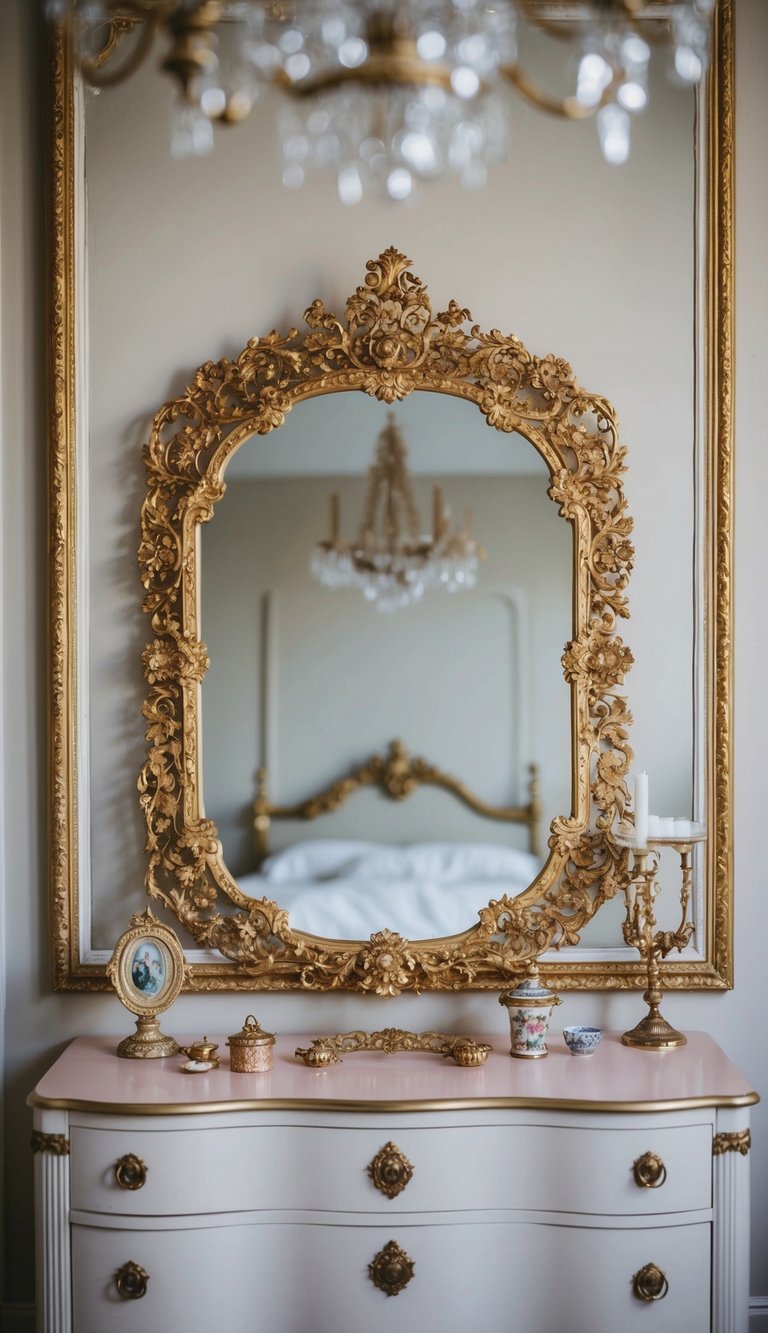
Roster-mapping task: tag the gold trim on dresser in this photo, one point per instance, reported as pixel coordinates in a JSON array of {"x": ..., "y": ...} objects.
[
  {"x": 740, "y": 1140},
  {"x": 468, "y": 1103},
  {"x": 57, "y": 1144}
]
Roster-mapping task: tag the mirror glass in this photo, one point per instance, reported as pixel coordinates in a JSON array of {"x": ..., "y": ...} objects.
[
  {"x": 155, "y": 276},
  {"x": 309, "y": 682}
]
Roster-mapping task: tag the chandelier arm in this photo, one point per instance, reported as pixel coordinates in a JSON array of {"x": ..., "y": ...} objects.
[
  {"x": 96, "y": 70},
  {"x": 569, "y": 108},
  {"x": 378, "y": 71},
  {"x": 116, "y": 30}
]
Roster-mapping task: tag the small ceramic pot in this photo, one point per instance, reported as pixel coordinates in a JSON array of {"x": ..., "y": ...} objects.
[
  {"x": 582, "y": 1041},
  {"x": 250, "y": 1049},
  {"x": 529, "y": 1006}
]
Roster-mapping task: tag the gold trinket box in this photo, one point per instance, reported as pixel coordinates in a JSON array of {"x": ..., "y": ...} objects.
[{"x": 250, "y": 1049}]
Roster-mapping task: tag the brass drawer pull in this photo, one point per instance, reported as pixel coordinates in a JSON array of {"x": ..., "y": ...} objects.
[
  {"x": 650, "y": 1284},
  {"x": 131, "y": 1281},
  {"x": 649, "y": 1171},
  {"x": 390, "y": 1170},
  {"x": 391, "y": 1269},
  {"x": 130, "y": 1172}
]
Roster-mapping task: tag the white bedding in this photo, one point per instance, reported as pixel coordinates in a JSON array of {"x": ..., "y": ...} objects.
[{"x": 351, "y": 896}]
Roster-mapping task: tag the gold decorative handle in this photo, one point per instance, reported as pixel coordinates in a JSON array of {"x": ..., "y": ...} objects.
[
  {"x": 650, "y": 1284},
  {"x": 390, "y": 1170},
  {"x": 391, "y": 1269},
  {"x": 649, "y": 1171},
  {"x": 131, "y": 1281},
  {"x": 130, "y": 1172}
]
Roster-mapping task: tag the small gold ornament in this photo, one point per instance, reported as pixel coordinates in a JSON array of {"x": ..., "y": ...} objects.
[{"x": 147, "y": 969}]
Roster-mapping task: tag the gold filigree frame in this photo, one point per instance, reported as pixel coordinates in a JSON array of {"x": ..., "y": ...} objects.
[
  {"x": 389, "y": 344},
  {"x": 145, "y": 930},
  {"x": 70, "y": 971}
]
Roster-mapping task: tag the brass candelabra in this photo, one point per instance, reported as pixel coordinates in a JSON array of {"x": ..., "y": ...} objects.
[{"x": 639, "y": 929}]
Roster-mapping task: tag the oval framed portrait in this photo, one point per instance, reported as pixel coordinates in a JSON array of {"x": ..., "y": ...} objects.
[{"x": 147, "y": 966}]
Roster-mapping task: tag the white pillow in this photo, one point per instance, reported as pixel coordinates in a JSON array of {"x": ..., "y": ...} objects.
[
  {"x": 321, "y": 858},
  {"x": 385, "y": 861},
  {"x": 446, "y": 862}
]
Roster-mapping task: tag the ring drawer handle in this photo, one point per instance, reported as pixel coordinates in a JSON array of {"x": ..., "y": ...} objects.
[
  {"x": 649, "y": 1171},
  {"x": 131, "y": 1281},
  {"x": 391, "y": 1269},
  {"x": 650, "y": 1284},
  {"x": 130, "y": 1172},
  {"x": 390, "y": 1170}
]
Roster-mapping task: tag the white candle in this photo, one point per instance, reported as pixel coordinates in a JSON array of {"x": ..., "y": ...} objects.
[
  {"x": 654, "y": 826},
  {"x": 667, "y": 827},
  {"x": 682, "y": 828},
  {"x": 641, "y": 809}
]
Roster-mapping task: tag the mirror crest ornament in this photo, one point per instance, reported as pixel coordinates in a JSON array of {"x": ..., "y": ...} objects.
[{"x": 389, "y": 346}]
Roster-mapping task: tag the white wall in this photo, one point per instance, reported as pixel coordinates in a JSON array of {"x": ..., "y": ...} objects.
[{"x": 39, "y": 1022}]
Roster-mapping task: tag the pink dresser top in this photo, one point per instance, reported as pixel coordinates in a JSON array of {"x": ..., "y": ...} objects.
[{"x": 90, "y": 1076}]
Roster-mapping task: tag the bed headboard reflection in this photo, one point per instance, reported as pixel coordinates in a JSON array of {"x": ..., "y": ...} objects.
[{"x": 397, "y": 775}]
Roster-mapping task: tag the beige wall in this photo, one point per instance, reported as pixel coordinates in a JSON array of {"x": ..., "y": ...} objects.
[{"x": 293, "y": 251}]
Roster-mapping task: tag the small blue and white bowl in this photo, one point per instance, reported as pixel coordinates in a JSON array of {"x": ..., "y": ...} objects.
[{"x": 582, "y": 1041}]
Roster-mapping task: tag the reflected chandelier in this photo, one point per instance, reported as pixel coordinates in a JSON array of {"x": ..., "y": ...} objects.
[
  {"x": 391, "y": 561},
  {"x": 385, "y": 93}
]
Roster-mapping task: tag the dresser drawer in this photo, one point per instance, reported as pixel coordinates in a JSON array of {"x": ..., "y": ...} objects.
[
  {"x": 304, "y": 1278},
  {"x": 540, "y": 1167}
]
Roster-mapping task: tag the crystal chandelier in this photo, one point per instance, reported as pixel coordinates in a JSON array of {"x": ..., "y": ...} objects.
[
  {"x": 383, "y": 93},
  {"x": 392, "y": 561}
]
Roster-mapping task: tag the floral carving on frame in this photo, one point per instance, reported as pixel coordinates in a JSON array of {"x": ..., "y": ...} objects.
[{"x": 389, "y": 345}]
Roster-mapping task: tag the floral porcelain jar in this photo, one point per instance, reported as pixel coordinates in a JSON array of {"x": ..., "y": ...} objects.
[{"x": 529, "y": 1006}]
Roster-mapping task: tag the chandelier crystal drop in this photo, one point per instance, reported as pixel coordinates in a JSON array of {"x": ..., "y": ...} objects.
[
  {"x": 392, "y": 562},
  {"x": 383, "y": 93}
]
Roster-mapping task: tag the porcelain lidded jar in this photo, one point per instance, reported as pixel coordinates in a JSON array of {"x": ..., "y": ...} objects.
[
  {"x": 529, "y": 1006},
  {"x": 250, "y": 1049}
]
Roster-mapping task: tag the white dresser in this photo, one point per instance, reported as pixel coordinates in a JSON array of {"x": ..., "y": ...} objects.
[{"x": 394, "y": 1194}]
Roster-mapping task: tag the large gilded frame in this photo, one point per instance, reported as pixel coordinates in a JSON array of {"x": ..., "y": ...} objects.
[
  {"x": 531, "y": 921},
  {"x": 388, "y": 345}
]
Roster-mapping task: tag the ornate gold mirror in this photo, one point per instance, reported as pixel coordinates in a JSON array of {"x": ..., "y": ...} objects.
[
  {"x": 389, "y": 345},
  {"x": 587, "y": 290}
]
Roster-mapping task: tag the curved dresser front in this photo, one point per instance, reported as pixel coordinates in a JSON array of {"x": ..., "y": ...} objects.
[{"x": 394, "y": 1194}]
